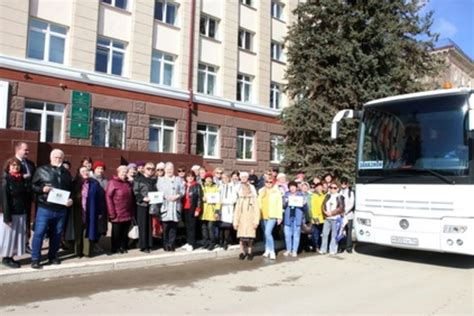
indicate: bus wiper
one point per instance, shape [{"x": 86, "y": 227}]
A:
[
  {"x": 434, "y": 173},
  {"x": 393, "y": 175}
]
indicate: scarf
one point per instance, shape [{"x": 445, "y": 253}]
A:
[{"x": 16, "y": 175}]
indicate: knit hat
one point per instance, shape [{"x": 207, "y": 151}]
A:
[
  {"x": 140, "y": 163},
  {"x": 208, "y": 175},
  {"x": 132, "y": 165},
  {"x": 160, "y": 165},
  {"x": 98, "y": 164}
]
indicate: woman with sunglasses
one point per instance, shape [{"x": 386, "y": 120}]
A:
[
  {"x": 271, "y": 210},
  {"x": 295, "y": 206},
  {"x": 333, "y": 207}
]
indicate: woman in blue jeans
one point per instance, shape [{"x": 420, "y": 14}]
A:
[
  {"x": 271, "y": 211},
  {"x": 295, "y": 207},
  {"x": 333, "y": 208}
]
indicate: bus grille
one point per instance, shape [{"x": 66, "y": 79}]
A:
[{"x": 410, "y": 205}]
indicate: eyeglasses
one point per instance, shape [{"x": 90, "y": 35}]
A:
[
  {"x": 218, "y": 172},
  {"x": 181, "y": 171},
  {"x": 149, "y": 168},
  {"x": 271, "y": 182},
  {"x": 160, "y": 170},
  {"x": 333, "y": 188}
]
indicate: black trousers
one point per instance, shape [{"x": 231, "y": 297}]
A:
[
  {"x": 169, "y": 233},
  {"x": 120, "y": 235},
  {"x": 208, "y": 230},
  {"x": 349, "y": 234},
  {"x": 190, "y": 224},
  {"x": 145, "y": 235}
]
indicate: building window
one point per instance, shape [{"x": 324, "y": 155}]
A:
[
  {"x": 244, "y": 88},
  {"x": 162, "y": 66},
  {"x": 46, "y": 41},
  {"x": 207, "y": 141},
  {"x": 277, "y": 51},
  {"x": 245, "y": 143},
  {"x": 275, "y": 96},
  {"x": 277, "y": 10},
  {"x": 108, "y": 129},
  {"x": 276, "y": 154},
  {"x": 162, "y": 135},
  {"x": 109, "y": 57},
  {"x": 122, "y": 4},
  {"x": 166, "y": 11},
  {"x": 206, "y": 79},
  {"x": 245, "y": 39},
  {"x": 246, "y": 2},
  {"x": 208, "y": 26},
  {"x": 45, "y": 118}
]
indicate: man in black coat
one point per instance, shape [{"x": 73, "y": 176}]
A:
[
  {"x": 51, "y": 214},
  {"x": 28, "y": 169}
]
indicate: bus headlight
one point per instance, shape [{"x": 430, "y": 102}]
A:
[
  {"x": 364, "y": 221},
  {"x": 454, "y": 229}
]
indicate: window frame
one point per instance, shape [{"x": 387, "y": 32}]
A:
[
  {"x": 163, "y": 127},
  {"x": 280, "y": 10},
  {"x": 108, "y": 120},
  {"x": 248, "y": 3},
  {"x": 276, "y": 51},
  {"x": 244, "y": 137},
  {"x": 207, "y": 19},
  {"x": 165, "y": 4},
  {"x": 47, "y": 40},
  {"x": 110, "y": 50},
  {"x": 44, "y": 118},
  {"x": 275, "y": 95},
  {"x": 207, "y": 73},
  {"x": 275, "y": 142},
  {"x": 113, "y": 3},
  {"x": 161, "y": 64},
  {"x": 243, "y": 80},
  {"x": 242, "y": 37},
  {"x": 206, "y": 133}
]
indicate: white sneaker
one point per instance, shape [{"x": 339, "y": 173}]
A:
[
  {"x": 272, "y": 255},
  {"x": 185, "y": 246},
  {"x": 294, "y": 254},
  {"x": 189, "y": 248},
  {"x": 286, "y": 253},
  {"x": 266, "y": 253}
]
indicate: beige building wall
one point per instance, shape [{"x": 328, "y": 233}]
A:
[
  {"x": 142, "y": 35},
  {"x": 263, "y": 40},
  {"x": 458, "y": 69},
  {"x": 229, "y": 59},
  {"x": 14, "y": 27},
  {"x": 82, "y": 36}
]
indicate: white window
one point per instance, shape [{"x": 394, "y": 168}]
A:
[
  {"x": 244, "y": 88},
  {"x": 246, "y": 2},
  {"x": 276, "y": 154},
  {"x": 109, "y": 57},
  {"x": 45, "y": 118},
  {"x": 207, "y": 79},
  {"x": 207, "y": 141},
  {"x": 109, "y": 129},
  {"x": 245, "y": 39},
  {"x": 277, "y": 51},
  {"x": 162, "y": 135},
  {"x": 277, "y": 10},
  {"x": 245, "y": 144},
  {"x": 275, "y": 96},
  {"x": 46, "y": 41},
  {"x": 162, "y": 66},
  {"x": 208, "y": 26},
  {"x": 166, "y": 11},
  {"x": 122, "y": 4}
]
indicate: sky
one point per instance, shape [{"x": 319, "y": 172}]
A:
[{"x": 454, "y": 19}]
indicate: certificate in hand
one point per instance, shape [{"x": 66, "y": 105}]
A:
[
  {"x": 212, "y": 198},
  {"x": 58, "y": 196},
  {"x": 156, "y": 197},
  {"x": 296, "y": 201}
]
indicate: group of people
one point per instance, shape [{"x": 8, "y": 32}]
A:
[{"x": 77, "y": 210}]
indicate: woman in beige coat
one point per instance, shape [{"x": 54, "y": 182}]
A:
[{"x": 246, "y": 220}]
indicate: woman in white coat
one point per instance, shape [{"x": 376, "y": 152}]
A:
[{"x": 228, "y": 196}]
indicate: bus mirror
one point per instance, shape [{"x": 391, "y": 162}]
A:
[{"x": 344, "y": 114}]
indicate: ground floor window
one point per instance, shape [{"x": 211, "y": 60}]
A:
[
  {"x": 45, "y": 118},
  {"x": 109, "y": 129},
  {"x": 162, "y": 135},
  {"x": 207, "y": 141}
]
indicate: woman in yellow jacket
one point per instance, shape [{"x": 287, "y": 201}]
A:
[
  {"x": 210, "y": 213},
  {"x": 271, "y": 209},
  {"x": 317, "y": 216}
]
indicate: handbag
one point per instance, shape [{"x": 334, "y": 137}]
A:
[
  {"x": 154, "y": 209},
  {"x": 133, "y": 232}
]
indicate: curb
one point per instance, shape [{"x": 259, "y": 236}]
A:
[{"x": 49, "y": 272}]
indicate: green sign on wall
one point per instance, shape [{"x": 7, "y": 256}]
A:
[{"x": 80, "y": 114}]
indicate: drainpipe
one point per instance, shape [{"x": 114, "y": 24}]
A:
[{"x": 190, "y": 77}]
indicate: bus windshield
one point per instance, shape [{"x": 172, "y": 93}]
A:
[{"x": 422, "y": 134}]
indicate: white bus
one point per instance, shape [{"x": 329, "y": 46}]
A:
[{"x": 415, "y": 171}]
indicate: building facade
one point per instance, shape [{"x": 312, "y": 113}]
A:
[
  {"x": 201, "y": 77},
  {"x": 459, "y": 67}
]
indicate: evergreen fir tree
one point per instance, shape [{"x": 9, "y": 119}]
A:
[{"x": 342, "y": 54}]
